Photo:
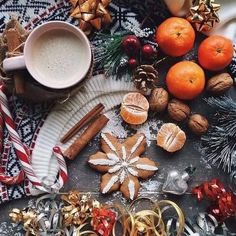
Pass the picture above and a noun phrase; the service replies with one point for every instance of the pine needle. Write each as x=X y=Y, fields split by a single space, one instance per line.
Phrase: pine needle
x=219 y=144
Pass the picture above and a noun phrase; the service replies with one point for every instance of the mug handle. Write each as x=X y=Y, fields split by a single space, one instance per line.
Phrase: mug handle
x=14 y=63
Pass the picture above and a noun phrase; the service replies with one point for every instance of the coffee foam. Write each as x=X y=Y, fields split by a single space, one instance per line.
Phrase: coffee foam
x=57 y=55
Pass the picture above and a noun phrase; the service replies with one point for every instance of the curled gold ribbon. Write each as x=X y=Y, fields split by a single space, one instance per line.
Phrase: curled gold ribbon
x=74 y=214
x=149 y=222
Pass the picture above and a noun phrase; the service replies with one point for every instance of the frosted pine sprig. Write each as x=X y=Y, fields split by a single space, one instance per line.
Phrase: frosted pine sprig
x=219 y=144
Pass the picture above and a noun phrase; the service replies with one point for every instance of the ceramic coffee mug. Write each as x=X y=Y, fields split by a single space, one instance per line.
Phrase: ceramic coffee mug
x=56 y=54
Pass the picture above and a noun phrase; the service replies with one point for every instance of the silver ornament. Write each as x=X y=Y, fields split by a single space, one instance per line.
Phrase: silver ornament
x=176 y=182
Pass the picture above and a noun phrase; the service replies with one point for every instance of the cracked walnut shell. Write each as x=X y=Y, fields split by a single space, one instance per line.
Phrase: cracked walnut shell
x=178 y=110
x=198 y=124
x=158 y=99
x=220 y=83
x=170 y=137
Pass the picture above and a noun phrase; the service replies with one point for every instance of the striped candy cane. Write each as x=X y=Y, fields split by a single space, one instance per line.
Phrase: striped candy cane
x=11 y=180
x=8 y=180
x=23 y=154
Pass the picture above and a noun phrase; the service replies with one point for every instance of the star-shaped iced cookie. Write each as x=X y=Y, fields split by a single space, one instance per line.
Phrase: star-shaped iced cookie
x=122 y=165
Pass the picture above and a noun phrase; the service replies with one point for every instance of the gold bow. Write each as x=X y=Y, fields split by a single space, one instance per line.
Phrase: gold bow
x=204 y=15
x=91 y=13
x=79 y=209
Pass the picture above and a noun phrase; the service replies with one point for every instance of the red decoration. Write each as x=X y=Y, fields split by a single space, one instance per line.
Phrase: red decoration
x=148 y=51
x=103 y=220
x=132 y=63
x=224 y=202
x=23 y=153
x=131 y=45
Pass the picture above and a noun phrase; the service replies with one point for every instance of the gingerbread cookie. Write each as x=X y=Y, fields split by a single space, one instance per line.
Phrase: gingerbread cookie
x=122 y=165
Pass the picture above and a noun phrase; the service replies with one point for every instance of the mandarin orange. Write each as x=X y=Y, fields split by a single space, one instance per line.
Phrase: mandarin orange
x=134 y=108
x=215 y=53
x=185 y=80
x=175 y=36
x=170 y=137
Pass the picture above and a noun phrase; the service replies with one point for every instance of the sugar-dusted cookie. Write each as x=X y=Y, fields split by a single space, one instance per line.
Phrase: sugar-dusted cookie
x=121 y=164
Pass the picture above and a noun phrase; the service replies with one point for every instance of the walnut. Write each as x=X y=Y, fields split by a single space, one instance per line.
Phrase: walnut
x=158 y=99
x=178 y=110
x=198 y=124
x=220 y=83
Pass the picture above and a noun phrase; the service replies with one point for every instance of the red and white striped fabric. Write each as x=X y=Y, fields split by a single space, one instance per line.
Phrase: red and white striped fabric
x=24 y=157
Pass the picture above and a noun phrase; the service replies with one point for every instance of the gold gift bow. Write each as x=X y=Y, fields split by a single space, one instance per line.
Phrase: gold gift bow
x=204 y=15
x=91 y=13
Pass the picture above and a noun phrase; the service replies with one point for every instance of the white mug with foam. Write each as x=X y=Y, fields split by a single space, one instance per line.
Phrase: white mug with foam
x=57 y=55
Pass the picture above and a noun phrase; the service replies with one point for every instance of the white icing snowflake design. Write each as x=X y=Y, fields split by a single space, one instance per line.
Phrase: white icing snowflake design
x=123 y=165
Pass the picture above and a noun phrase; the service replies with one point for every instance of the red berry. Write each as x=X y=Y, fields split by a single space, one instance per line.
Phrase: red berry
x=148 y=51
x=131 y=45
x=132 y=63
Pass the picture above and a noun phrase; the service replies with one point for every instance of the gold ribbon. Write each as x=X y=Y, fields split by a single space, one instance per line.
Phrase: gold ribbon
x=148 y=222
x=91 y=13
x=204 y=15
x=77 y=215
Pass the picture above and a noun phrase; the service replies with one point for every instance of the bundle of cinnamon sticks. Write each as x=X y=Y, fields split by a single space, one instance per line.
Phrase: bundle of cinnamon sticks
x=14 y=36
x=96 y=122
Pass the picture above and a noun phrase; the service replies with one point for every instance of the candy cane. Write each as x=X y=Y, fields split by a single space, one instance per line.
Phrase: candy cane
x=1 y=130
x=22 y=154
x=11 y=180
x=8 y=180
x=63 y=176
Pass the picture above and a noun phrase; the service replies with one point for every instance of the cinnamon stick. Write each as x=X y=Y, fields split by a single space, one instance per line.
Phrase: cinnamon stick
x=13 y=43
x=13 y=40
x=84 y=121
x=92 y=130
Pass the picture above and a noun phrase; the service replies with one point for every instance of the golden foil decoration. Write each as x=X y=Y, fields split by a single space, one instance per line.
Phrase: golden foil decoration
x=149 y=222
x=91 y=13
x=79 y=209
x=29 y=219
x=204 y=14
x=74 y=214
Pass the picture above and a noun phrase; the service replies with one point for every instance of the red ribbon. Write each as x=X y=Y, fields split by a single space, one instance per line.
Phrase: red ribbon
x=223 y=201
x=103 y=220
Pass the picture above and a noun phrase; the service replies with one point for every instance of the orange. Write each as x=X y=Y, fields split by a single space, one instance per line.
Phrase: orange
x=185 y=80
x=215 y=53
x=170 y=137
x=175 y=36
x=134 y=108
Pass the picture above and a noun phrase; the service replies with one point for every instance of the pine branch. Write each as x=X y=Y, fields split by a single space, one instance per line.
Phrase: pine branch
x=108 y=53
x=223 y=103
x=219 y=144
